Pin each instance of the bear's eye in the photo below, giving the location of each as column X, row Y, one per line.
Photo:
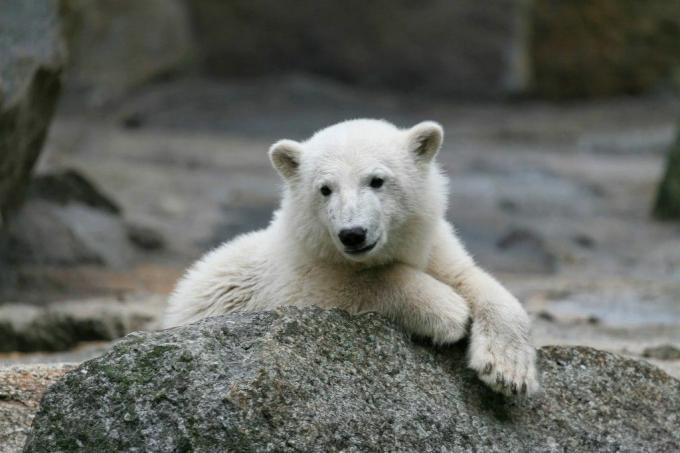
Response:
column 377, row 183
column 325, row 191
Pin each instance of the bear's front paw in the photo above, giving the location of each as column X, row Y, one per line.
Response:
column 507, row 366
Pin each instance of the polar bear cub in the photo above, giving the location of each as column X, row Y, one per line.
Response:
column 361, row 227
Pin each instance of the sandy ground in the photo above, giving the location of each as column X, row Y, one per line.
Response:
column 554, row 199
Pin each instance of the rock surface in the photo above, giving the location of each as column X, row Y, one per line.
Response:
column 31, row 59
column 21, row 388
column 313, row 380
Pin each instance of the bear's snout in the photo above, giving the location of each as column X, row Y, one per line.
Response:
column 352, row 237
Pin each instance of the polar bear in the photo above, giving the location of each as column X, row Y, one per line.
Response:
column 361, row 227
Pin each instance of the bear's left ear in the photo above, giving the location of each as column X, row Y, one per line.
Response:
column 425, row 139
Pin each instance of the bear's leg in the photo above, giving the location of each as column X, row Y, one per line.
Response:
column 423, row 305
column 500, row 350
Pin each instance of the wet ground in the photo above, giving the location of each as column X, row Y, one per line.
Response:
column 554, row 199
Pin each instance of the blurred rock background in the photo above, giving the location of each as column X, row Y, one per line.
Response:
column 133, row 138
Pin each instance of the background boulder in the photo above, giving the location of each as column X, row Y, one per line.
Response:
column 32, row 56
column 314, row 380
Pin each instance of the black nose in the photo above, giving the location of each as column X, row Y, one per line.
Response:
column 351, row 237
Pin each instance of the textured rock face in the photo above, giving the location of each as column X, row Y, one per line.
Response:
column 313, row 380
column 21, row 388
column 31, row 59
column 667, row 204
column 464, row 47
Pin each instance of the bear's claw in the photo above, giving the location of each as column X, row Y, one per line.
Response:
column 509, row 368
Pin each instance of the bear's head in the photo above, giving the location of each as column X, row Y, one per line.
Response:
column 363, row 191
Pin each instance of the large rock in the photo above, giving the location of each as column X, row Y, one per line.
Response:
column 464, row 47
column 116, row 45
column 313, row 380
column 21, row 388
column 667, row 205
column 31, row 59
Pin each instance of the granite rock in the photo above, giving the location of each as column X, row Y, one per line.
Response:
column 314, row 380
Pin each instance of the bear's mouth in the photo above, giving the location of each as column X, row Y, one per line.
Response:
column 368, row 248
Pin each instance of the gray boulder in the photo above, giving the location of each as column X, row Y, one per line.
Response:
column 314, row 380
column 32, row 55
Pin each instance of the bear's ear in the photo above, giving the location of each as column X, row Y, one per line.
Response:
column 285, row 157
column 425, row 139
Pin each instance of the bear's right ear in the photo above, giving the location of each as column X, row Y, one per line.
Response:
column 285, row 157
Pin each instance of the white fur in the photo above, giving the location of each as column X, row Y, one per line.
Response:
column 418, row 273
